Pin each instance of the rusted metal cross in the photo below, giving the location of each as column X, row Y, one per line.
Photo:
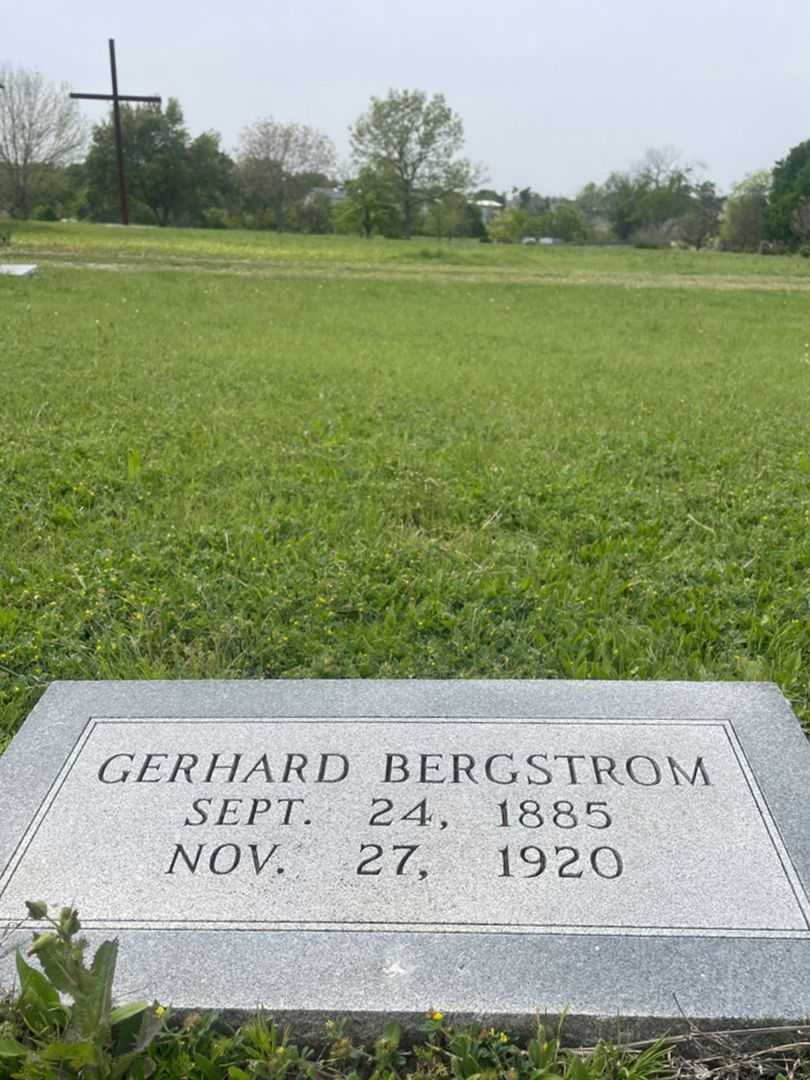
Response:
column 116, row 100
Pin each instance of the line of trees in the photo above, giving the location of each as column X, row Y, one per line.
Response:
column 406, row 169
column 406, row 175
column 664, row 201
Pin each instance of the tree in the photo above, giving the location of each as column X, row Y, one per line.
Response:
column 171, row 178
column 40, row 129
column 413, row 142
column 212, row 177
column 743, row 225
column 509, row 227
column 622, row 205
column 700, row 222
column 665, row 187
column 653, row 196
column 473, row 221
column 568, row 223
column 592, row 204
column 155, row 144
column 369, row 205
column 58, row 192
column 800, row 222
column 591, row 200
column 447, row 216
column 791, row 185
column 660, row 166
column 540, row 225
column 533, row 203
column 276, row 162
column 313, row 214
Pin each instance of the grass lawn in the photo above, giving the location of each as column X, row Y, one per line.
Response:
column 220, row 475
column 239, row 249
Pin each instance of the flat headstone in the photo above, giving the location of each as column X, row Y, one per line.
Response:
column 635, row 853
column 18, row 269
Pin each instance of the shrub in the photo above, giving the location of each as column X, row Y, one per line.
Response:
column 804, row 251
column 508, row 227
column 262, row 219
column 214, row 218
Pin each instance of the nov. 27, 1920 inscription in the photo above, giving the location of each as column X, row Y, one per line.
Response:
column 400, row 812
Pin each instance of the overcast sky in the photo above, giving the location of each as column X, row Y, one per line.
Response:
column 553, row 93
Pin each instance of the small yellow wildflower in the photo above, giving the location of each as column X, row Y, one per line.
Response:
column 436, row 1015
column 160, row 1010
column 503, row 1037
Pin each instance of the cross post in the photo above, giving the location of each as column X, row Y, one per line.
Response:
column 116, row 100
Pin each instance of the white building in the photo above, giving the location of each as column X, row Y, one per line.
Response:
column 489, row 209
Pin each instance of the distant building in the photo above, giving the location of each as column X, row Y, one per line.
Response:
column 489, row 209
column 335, row 195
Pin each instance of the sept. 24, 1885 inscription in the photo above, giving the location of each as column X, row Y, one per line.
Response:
column 399, row 811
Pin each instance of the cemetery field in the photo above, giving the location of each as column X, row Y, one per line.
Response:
column 225, row 475
column 264, row 253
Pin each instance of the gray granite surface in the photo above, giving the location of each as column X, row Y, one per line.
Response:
column 18, row 269
column 638, row 853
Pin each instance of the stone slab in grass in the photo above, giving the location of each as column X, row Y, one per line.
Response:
column 636, row 853
column 18, row 269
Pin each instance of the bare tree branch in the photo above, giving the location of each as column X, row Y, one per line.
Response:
column 272, row 154
column 39, row 126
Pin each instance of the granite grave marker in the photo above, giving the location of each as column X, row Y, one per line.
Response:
column 18, row 269
column 638, row 853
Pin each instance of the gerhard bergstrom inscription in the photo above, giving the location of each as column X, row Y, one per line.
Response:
column 398, row 768
column 503, row 769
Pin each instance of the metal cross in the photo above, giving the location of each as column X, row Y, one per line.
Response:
column 116, row 100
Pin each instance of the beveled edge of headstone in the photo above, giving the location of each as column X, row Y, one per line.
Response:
column 627, row 987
